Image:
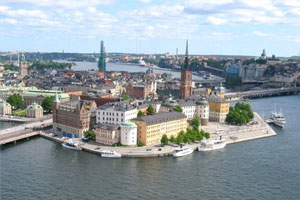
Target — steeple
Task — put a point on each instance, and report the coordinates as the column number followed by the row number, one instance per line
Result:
column 186, row 60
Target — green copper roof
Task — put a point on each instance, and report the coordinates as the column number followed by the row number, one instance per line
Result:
column 34, row 106
column 129, row 124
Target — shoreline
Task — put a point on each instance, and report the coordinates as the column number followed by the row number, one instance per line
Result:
column 242, row 134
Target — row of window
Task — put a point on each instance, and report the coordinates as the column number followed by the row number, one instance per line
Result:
column 111, row 113
column 110, row 119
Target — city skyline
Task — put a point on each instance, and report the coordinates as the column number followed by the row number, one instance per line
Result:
column 224, row 27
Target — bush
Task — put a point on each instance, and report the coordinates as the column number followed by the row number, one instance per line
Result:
column 89, row 134
column 164, row 140
column 140, row 144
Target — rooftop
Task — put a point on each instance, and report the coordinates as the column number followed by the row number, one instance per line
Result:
column 161, row 117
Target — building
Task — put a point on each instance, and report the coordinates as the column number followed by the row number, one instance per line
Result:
column 5, row 108
column 218, row 108
column 71, row 118
column 139, row 91
column 202, row 111
column 151, row 128
column 107, row 134
column 263, row 55
column 186, row 83
column 102, row 61
column 128, row 133
column 115, row 113
column 23, row 66
column 38, row 96
column 34, row 111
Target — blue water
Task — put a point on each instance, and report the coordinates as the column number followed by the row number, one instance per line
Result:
column 260, row 169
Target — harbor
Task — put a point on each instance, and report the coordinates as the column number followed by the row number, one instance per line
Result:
column 231, row 134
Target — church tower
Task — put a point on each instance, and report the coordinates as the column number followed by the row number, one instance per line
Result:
column 186, row 83
column 102, row 62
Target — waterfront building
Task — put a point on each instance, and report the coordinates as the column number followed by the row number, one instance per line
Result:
column 202, row 111
column 151, row 128
column 102, row 61
column 107, row 134
column 218, row 108
column 5, row 108
column 34, row 111
column 186, row 84
column 71, row 118
column 128, row 133
column 115, row 113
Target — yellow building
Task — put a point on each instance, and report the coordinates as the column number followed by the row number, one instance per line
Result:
column 218, row 108
column 151, row 128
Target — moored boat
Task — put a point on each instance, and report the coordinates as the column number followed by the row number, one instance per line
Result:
column 182, row 151
column 110, row 154
column 69, row 144
column 209, row 145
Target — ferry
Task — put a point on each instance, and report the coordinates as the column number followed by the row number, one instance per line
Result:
column 110, row 154
column 69, row 144
column 142, row 63
column 209, row 145
column 278, row 119
column 182, row 151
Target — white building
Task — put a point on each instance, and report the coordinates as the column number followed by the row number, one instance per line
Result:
column 5, row 108
column 128, row 133
column 189, row 108
column 115, row 113
column 203, row 111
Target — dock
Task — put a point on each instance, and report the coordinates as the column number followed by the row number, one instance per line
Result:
column 232, row 134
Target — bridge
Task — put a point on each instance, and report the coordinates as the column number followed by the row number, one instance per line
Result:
column 263, row 93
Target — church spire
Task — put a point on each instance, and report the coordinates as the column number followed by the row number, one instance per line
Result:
column 186, row 60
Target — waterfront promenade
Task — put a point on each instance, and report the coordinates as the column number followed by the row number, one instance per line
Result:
column 232, row 134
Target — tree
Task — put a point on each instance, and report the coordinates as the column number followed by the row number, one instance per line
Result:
column 164, row 139
column 206, row 135
column 140, row 114
column 15, row 101
column 178, row 108
column 172, row 139
column 150, row 110
column 180, row 137
column 140, row 144
column 125, row 97
column 47, row 104
column 89, row 134
column 196, row 123
column 240, row 114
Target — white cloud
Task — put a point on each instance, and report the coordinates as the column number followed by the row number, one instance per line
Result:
column 145, row 1
column 262, row 34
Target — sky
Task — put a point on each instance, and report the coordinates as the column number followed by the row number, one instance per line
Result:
column 218, row 27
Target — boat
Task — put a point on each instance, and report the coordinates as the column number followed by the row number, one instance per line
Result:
column 209, row 145
column 110, row 154
column 278, row 119
column 183, row 150
column 142, row 63
column 69, row 144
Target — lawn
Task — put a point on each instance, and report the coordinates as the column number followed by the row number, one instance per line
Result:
column 19, row 112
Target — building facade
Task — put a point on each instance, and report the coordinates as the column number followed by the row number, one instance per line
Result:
column 115, row 113
column 107, row 134
column 218, row 108
column 71, row 118
column 128, row 134
column 5, row 108
column 151, row 128
column 34, row 111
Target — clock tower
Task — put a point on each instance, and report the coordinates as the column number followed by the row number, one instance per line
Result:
column 186, row 83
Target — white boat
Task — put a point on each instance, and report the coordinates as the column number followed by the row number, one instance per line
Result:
column 69, row 144
column 142, row 63
column 209, row 145
column 182, row 151
column 110, row 154
column 278, row 119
